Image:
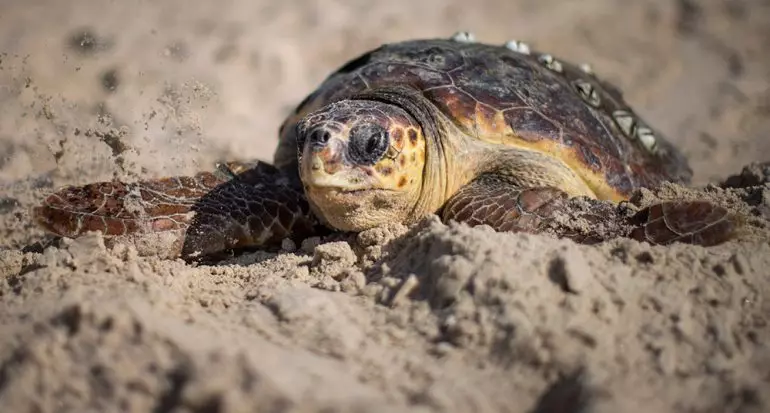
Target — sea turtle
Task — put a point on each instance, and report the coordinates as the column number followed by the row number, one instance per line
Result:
column 500, row 135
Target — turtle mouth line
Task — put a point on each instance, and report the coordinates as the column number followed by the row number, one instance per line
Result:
column 331, row 190
column 356, row 191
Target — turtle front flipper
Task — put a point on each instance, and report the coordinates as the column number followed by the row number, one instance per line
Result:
column 206, row 214
column 492, row 201
column 260, row 206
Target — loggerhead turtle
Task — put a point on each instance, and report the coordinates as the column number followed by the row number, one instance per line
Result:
column 500, row 135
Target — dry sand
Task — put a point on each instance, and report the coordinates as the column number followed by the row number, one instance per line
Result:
column 431, row 318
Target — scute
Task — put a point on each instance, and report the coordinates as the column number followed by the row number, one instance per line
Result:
column 531, row 126
column 505, row 97
column 442, row 56
column 420, row 77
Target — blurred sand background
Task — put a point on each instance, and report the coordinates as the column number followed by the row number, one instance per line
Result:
column 93, row 90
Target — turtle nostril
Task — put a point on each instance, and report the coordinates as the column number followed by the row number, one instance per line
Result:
column 319, row 137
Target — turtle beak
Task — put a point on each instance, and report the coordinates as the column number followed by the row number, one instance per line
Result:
column 321, row 165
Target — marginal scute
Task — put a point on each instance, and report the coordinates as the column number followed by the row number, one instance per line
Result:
column 590, row 158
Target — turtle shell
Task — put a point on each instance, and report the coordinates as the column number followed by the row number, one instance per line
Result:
column 515, row 97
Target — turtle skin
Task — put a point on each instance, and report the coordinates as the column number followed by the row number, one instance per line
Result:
column 510, row 138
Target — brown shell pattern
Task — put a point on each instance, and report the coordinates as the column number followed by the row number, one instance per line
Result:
column 524, row 100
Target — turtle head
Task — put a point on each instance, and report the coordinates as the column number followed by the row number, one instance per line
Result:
column 361, row 162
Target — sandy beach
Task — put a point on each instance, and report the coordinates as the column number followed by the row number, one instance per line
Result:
column 430, row 318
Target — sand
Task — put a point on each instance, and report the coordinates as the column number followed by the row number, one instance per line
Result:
column 431, row 318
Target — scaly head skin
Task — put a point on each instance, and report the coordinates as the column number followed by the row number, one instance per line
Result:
column 361, row 162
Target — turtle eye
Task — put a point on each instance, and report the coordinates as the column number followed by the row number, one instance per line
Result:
column 368, row 143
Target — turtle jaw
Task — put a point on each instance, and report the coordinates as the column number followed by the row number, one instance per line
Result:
column 353, row 197
column 359, row 209
column 350, row 197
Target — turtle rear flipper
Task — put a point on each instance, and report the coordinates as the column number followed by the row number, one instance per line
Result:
column 116, row 208
column 506, row 207
column 690, row 222
column 208, row 212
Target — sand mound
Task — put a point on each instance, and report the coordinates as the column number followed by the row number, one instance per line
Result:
column 434, row 317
